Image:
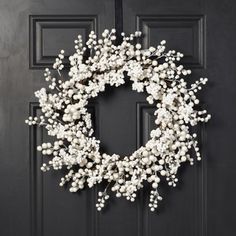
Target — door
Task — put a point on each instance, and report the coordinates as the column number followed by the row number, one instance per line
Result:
column 32, row 32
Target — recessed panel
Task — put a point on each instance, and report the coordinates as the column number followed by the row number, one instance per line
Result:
column 182, row 204
column 50, row 34
column 51, row 204
column 182, row 33
column 55, row 39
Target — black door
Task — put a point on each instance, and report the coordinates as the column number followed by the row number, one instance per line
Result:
column 31, row 34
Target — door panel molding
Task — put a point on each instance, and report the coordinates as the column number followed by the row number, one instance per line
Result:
column 36, row 138
column 145, row 123
column 174, row 28
column 62, row 29
column 36, row 181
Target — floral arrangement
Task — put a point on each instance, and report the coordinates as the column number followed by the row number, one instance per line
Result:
column 66, row 118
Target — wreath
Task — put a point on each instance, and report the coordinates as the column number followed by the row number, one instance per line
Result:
column 65, row 116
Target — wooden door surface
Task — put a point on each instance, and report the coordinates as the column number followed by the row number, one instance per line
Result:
column 32, row 32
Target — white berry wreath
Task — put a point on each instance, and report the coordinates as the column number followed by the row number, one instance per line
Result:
column 66, row 117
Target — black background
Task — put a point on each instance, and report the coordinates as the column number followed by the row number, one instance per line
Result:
column 31, row 34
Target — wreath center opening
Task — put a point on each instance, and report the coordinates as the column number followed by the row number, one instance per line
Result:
column 117, row 119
